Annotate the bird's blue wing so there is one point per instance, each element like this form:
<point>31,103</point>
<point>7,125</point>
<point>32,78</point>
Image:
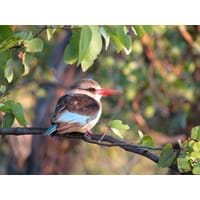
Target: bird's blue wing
<point>72,117</point>
<point>51,129</point>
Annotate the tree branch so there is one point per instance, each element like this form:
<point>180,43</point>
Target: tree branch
<point>106,140</point>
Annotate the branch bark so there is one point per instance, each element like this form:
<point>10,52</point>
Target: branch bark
<point>106,140</point>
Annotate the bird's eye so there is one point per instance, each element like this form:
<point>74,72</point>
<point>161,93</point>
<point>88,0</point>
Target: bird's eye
<point>91,89</point>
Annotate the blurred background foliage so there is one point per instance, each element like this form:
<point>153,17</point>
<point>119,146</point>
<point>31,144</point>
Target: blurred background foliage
<point>157,67</point>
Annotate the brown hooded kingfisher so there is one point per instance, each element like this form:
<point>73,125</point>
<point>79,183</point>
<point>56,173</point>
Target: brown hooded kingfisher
<point>80,109</point>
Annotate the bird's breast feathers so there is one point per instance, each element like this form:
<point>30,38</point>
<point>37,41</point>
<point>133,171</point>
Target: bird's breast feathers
<point>76,112</point>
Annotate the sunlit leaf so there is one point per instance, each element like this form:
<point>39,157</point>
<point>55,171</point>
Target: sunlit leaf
<point>194,155</point>
<point>120,38</point>
<point>117,126</point>
<point>106,37</point>
<point>27,62</point>
<point>147,141</point>
<point>50,33</point>
<point>141,134</point>
<point>139,30</point>
<point>9,70</point>
<point>167,156</point>
<point>196,169</point>
<point>85,39</point>
<point>93,50</point>
<point>196,147</point>
<point>9,43</point>
<point>196,133</point>
<point>183,165</point>
<point>34,45</point>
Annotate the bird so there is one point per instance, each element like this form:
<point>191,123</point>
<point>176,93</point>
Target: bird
<point>80,108</point>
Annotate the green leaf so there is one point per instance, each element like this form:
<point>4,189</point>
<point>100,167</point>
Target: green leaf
<point>17,110</point>
<point>106,37</point>
<point>72,49</point>
<point>9,70</point>
<point>117,132</point>
<point>196,146</point>
<point>5,32</point>
<point>27,62</point>
<point>148,29</point>
<point>9,43</point>
<point>34,45</point>
<point>50,32</point>
<point>2,89</point>
<point>183,165</point>
<point>93,50</point>
<point>196,169</point>
<point>120,38</point>
<point>24,35</point>
<point>147,141</point>
<point>194,155</point>
<point>139,30</point>
<point>167,156</point>
<point>8,120</point>
<point>85,39</point>
<point>5,108</point>
<point>117,126</point>
<point>196,133</point>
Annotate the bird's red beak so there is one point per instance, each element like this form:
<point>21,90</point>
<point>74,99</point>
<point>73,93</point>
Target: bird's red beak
<point>108,92</point>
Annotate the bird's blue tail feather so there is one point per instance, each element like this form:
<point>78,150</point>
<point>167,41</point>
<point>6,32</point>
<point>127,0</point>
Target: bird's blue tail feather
<point>51,129</point>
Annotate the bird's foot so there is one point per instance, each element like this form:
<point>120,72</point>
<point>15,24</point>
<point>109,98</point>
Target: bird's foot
<point>101,138</point>
<point>87,135</point>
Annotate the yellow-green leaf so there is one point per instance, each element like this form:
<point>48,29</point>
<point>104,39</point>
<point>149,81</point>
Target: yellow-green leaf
<point>147,141</point>
<point>117,126</point>
<point>34,45</point>
<point>120,38</point>
<point>183,165</point>
<point>9,43</point>
<point>196,133</point>
<point>27,62</point>
<point>9,70</point>
<point>196,169</point>
<point>139,30</point>
<point>167,156</point>
<point>106,37</point>
<point>50,32</point>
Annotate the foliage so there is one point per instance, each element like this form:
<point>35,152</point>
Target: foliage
<point>152,62</point>
<point>117,126</point>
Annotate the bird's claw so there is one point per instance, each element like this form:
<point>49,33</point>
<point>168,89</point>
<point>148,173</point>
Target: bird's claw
<point>101,138</point>
<point>87,135</point>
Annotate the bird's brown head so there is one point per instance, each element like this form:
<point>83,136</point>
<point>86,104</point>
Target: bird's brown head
<point>92,88</point>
